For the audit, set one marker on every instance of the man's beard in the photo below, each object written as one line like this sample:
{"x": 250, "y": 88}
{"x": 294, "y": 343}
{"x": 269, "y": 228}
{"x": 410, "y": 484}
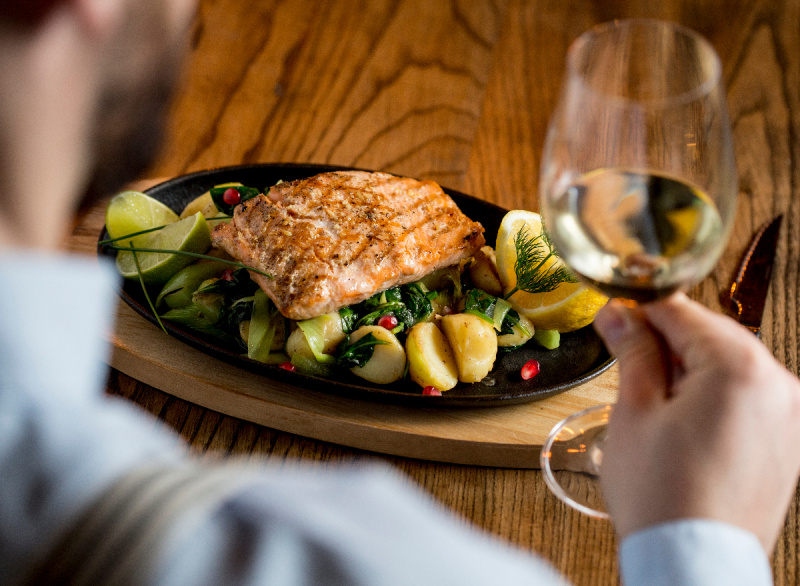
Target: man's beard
{"x": 141, "y": 75}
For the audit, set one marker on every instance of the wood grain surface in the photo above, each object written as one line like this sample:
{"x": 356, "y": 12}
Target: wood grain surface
{"x": 460, "y": 91}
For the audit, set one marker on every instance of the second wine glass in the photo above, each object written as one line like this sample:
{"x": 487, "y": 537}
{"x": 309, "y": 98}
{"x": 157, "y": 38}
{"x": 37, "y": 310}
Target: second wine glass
{"x": 638, "y": 190}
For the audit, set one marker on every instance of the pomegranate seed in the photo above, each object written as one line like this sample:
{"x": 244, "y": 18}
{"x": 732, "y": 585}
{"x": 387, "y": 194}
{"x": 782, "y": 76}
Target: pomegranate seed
{"x": 531, "y": 369}
{"x": 231, "y": 196}
{"x": 227, "y": 275}
{"x": 388, "y": 321}
{"x": 287, "y": 366}
{"x": 431, "y": 390}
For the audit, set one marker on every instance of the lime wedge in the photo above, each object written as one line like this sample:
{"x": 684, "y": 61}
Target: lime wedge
{"x": 189, "y": 235}
{"x": 129, "y": 212}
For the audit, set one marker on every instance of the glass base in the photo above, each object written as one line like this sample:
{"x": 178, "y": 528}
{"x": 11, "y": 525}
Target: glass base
{"x": 571, "y": 457}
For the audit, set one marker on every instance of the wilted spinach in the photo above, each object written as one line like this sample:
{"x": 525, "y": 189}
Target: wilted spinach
{"x": 245, "y": 193}
{"x": 359, "y": 352}
{"x": 480, "y": 303}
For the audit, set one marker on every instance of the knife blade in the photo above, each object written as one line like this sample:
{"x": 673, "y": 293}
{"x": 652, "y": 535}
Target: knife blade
{"x": 747, "y": 295}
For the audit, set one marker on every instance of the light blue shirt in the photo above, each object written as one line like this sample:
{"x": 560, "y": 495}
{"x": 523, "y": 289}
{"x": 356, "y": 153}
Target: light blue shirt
{"x": 95, "y": 491}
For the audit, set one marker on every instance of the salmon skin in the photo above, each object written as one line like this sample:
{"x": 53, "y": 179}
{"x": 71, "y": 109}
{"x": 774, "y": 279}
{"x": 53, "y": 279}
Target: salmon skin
{"x": 338, "y": 238}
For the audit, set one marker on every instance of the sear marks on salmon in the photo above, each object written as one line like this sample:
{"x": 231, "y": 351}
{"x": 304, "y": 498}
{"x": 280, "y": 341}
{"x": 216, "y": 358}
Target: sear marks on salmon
{"x": 337, "y": 238}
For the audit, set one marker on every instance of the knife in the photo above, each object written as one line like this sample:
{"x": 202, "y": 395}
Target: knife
{"x": 748, "y": 292}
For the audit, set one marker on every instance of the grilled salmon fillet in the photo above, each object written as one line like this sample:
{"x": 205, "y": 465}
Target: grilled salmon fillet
{"x": 337, "y": 238}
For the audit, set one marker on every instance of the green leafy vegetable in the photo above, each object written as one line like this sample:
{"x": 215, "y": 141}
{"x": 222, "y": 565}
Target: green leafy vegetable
{"x": 177, "y": 292}
{"x": 494, "y": 311}
{"x": 478, "y": 302}
{"x": 550, "y": 339}
{"x": 264, "y": 321}
{"x": 192, "y": 318}
{"x": 209, "y": 305}
{"x": 501, "y": 309}
{"x": 244, "y": 192}
{"x": 349, "y": 318}
{"x": 417, "y": 299}
{"x": 359, "y": 352}
{"x": 239, "y": 285}
{"x": 218, "y": 306}
{"x": 314, "y": 330}
{"x": 393, "y": 307}
{"x": 234, "y": 313}
{"x": 307, "y": 365}
{"x": 409, "y": 303}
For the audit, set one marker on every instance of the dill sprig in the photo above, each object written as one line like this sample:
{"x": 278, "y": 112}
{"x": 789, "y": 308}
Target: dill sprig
{"x": 533, "y": 274}
{"x": 146, "y": 294}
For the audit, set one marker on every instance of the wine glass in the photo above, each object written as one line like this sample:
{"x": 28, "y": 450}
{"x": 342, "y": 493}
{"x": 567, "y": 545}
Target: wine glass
{"x": 638, "y": 191}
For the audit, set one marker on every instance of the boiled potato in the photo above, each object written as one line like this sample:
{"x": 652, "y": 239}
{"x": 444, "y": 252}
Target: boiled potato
{"x": 430, "y": 358}
{"x": 517, "y": 337}
{"x": 388, "y": 360}
{"x": 332, "y": 335}
{"x": 474, "y": 343}
{"x": 483, "y": 272}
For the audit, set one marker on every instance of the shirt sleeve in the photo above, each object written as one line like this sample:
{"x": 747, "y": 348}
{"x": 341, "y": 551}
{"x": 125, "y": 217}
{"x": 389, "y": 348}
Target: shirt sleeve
{"x": 359, "y": 526}
{"x": 697, "y": 552}
{"x": 63, "y": 442}
{"x": 95, "y": 491}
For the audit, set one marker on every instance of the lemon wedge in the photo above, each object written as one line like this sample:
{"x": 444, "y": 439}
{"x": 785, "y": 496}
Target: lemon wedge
{"x": 205, "y": 205}
{"x": 568, "y": 307}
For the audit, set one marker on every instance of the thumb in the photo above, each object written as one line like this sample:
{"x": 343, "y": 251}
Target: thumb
{"x": 640, "y": 353}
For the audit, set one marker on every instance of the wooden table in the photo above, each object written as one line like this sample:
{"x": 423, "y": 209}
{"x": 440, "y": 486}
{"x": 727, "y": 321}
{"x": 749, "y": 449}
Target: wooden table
{"x": 460, "y": 92}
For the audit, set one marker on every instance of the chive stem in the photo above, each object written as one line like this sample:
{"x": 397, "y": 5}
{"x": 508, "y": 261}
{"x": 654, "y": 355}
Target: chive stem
{"x": 192, "y": 254}
{"x": 146, "y": 294}
{"x": 118, "y": 238}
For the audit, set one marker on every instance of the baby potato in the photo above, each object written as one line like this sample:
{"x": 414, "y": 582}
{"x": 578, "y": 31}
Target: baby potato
{"x": 483, "y": 271}
{"x": 388, "y": 360}
{"x": 332, "y": 335}
{"x": 430, "y": 358}
{"x": 517, "y": 337}
{"x": 474, "y": 343}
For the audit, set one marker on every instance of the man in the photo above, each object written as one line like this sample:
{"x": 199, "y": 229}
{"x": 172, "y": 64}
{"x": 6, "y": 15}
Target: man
{"x": 95, "y": 492}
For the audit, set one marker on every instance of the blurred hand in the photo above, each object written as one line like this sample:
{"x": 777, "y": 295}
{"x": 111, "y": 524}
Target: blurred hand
{"x": 707, "y": 424}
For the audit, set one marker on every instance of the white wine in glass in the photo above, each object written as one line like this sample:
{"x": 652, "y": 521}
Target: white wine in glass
{"x": 660, "y": 234}
{"x": 638, "y": 190}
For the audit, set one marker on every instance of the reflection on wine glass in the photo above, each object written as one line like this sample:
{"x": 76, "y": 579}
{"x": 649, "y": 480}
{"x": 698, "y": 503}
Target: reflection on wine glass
{"x": 638, "y": 190}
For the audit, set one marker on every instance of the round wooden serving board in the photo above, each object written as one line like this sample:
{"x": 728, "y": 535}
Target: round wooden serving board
{"x": 506, "y": 436}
